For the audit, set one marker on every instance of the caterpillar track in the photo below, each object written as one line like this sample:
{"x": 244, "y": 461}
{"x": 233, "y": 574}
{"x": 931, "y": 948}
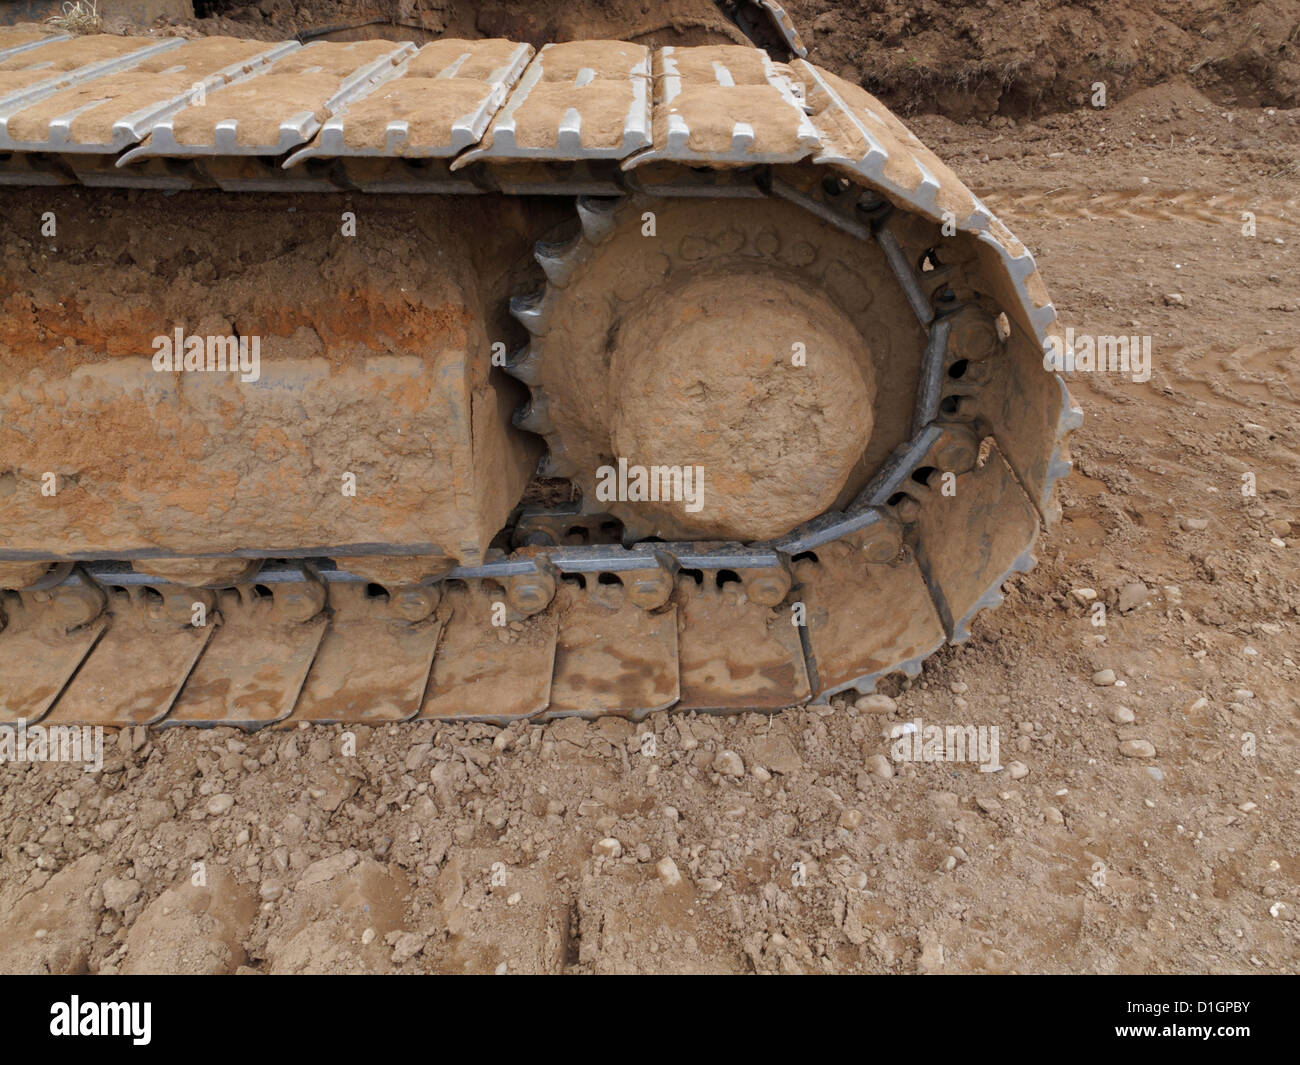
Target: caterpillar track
{"x": 691, "y": 258}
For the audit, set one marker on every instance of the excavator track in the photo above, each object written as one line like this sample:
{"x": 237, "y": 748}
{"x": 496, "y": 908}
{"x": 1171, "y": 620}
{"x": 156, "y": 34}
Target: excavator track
{"x": 754, "y": 166}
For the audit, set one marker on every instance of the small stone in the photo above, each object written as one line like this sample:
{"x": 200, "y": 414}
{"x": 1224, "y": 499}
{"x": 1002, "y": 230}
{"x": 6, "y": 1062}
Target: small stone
{"x": 1196, "y": 524}
{"x": 729, "y": 764}
{"x": 760, "y": 774}
{"x": 408, "y": 945}
{"x": 120, "y": 892}
{"x": 368, "y": 937}
{"x": 879, "y": 765}
{"x": 1052, "y": 815}
{"x": 931, "y": 959}
{"x": 326, "y": 869}
{"x": 667, "y": 870}
{"x": 709, "y": 885}
{"x": 777, "y": 754}
{"x": 220, "y": 804}
{"x": 850, "y": 818}
{"x": 989, "y": 806}
{"x": 1137, "y": 749}
{"x": 514, "y": 899}
{"x": 1248, "y": 807}
{"x": 1103, "y": 678}
{"x": 876, "y": 704}
{"x": 1084, "y": 596}
{"x": 608, "y": 847}
{"x": 1018, "y": 770}
{"x": 1280, "y": 527}
{"x": 270, "y": 890}
{"x": 1155, "y": 773}
{"x": 959, "y": 687}
{"x": 1132, "y": 596}
{"x": 417, "y": 756}
{"x": 1174, "y": 299}
{"x": 1122, "y": 715}
{"x": 949, "y": 864}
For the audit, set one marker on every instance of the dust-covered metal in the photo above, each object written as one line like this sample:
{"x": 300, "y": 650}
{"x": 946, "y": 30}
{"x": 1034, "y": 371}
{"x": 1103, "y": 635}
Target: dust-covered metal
{"x": 438, "y": 103}
{"x": 581, "y": 100}
{"x": 278, "y": 106}
{"x": 726, "y": 105}
{"x": 33, "y": 75}
{"x": 113, "y": 110}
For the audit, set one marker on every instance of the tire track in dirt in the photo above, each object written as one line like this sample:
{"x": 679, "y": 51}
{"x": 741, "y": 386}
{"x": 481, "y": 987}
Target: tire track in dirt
{"x": 1253, "y": 375}
{"x": 1069, "y": 204}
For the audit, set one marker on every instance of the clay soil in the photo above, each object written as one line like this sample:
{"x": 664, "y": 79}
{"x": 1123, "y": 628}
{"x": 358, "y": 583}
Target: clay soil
{"x": 579, "y": 847}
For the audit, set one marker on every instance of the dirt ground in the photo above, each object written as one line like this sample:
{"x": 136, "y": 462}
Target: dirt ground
{"x": 583, "y": 847}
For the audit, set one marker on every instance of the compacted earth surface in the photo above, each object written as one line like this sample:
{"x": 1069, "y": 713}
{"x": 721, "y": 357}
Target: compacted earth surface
{"x": 1144, "y": 678}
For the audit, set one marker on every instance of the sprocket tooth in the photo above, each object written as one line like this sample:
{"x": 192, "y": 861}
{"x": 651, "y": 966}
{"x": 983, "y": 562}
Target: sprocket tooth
{"x": 534, "y": 416}
{"x": 524, "y": 365}
{"x": 530, "y": 312}
{"x": 557, "y": 260}
{"x": 597, "y": 216}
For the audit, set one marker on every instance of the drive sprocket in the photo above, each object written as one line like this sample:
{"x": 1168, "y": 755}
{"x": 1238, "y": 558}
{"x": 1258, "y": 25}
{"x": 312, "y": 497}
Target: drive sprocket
{"x": 775, "y": 355}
